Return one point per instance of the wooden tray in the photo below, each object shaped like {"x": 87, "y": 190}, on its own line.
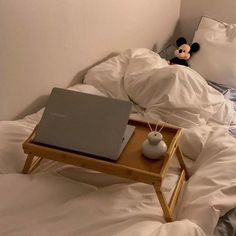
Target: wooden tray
{"x": 130, "y": 161}
{"x": 131, "y": 164}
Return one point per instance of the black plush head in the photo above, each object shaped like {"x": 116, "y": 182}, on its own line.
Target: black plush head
{"x": 184, "y": 51}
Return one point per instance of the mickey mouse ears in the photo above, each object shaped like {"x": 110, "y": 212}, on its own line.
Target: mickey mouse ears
{"x": 194, "y": 47}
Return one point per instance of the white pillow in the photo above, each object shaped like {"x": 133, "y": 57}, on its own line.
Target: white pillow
{"x": 216, "y": 59}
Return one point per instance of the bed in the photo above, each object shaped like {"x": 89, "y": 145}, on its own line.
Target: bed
{"x": 61, "y": 199}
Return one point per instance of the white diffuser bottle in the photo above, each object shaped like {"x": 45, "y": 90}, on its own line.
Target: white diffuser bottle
{"x": 154, "y": 147}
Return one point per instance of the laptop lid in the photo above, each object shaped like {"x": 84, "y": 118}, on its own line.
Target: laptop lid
{"x": 85, "y": 123}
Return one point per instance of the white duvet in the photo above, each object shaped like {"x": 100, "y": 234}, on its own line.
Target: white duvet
{"x": 63, "y": 200}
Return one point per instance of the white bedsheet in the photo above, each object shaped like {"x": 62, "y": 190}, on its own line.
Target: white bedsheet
{"x": 63, "y": 200}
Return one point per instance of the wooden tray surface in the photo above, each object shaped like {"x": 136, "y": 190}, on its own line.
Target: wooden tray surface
{"x": 131, "y": 157}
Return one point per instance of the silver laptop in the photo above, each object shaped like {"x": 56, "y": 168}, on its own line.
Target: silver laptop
{"x": 85, "y": 123}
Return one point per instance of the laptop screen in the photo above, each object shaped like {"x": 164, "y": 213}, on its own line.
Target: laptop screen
{"x": 84, "y": 123}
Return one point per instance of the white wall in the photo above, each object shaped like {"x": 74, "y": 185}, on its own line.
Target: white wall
{"x": 46, "y": 43}
{"x": 192, "y": 10}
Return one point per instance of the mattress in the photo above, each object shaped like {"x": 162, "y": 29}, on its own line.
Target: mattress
{"x": 65, "y": 200}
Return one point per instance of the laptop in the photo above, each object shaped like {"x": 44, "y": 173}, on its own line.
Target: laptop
{"x": 85, "y": 123}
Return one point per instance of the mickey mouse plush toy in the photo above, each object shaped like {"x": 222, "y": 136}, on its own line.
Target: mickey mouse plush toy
{"x": 184, "y": 52}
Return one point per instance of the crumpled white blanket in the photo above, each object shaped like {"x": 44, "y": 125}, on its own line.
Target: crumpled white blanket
{"x": 65, "y": 200}
{"x": 181, "y": 96}
{"x": 175, "y": 92}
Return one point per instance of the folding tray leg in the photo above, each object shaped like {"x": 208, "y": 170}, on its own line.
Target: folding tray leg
{"x": 164, "y": 205}
{"x": 181, "y": 162}
{"x": 31, "y": 164}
